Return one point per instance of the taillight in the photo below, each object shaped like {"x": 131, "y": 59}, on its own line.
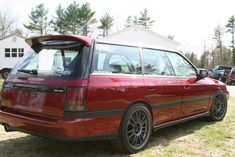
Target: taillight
{"x": 1, "y": 90}
{"x": 75, "y": 99}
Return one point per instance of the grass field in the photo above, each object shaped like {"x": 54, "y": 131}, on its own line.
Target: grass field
{"x": 195, "y": 138}
{"x": 1, "y": 81}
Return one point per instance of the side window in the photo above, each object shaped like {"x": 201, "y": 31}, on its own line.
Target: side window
{"x": 157, "y": 63}
{"x": 181, "y": 66}
{"x": 120, "y": 65}
{"x": 117, "y": 59}
{"x": 101, "y": 58}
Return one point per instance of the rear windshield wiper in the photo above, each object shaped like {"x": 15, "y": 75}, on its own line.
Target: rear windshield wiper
{"x": 33, "y": 72}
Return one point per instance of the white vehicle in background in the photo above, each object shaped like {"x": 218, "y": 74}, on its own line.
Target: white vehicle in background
{"x": 12, "y": 48}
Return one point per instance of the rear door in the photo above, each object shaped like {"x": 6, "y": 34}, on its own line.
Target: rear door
{"x": 196, "y": 93}
{"x": 116, "y": 79}
{"x": 162, "y": 88}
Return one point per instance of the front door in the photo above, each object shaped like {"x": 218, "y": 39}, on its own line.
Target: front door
{"x": 195, "y": 94}
{"x": 162, "y": 86}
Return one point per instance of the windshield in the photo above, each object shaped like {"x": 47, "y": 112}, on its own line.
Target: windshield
{"x": 222, "y": 68}
{"x": 58, "y": 59}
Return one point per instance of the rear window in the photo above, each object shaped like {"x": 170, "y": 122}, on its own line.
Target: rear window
{"x": 51, "y": 58}
{"x": 117, "y": 59}
{"x": 224, "y": 68}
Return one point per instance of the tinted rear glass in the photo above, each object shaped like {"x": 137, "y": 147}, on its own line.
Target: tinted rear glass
{"x": 52, "y": 58}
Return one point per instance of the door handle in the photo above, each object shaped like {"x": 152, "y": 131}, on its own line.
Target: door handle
{"x": 186, "y": 87}
{"x": 151, "y": 88}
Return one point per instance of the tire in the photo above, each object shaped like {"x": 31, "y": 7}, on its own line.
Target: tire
{"x": 135, "y": 130}
{"x": 5, "y": 73}
{"x": 220, "y": 78}
{"x": 227, "y": 82}
{"x": 219, "y": 107}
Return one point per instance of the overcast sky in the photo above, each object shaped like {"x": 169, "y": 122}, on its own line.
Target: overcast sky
{"x": 192, "y": 22}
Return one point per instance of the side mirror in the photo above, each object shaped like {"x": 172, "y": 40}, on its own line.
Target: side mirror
{"x": 202, "y": 73}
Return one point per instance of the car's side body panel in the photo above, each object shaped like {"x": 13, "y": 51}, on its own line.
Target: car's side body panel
{"x": 110, "y": 92}
{"x": 165, "y": 96}
{"x": 195, "y": 98}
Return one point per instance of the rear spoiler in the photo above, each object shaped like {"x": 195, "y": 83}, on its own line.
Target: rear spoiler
{"x": 35, "y": 40}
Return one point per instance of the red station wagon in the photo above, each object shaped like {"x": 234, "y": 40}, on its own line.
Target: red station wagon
{"x": 75, "y": 88}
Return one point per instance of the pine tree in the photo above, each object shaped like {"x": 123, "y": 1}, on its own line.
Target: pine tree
{"x": 135, "y": 21}
{"x": 145, "y": 20}
{"x": 72, "y": 20}
{"x": 106, "y": 22}
{"x": 87, "y": 18}
{"x": 59, "y": 22}
{"x": 38, "y": 20}
{"x": 129, "y": 22}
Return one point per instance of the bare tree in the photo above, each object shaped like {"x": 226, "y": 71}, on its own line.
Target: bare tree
{"x": 218, "y": 34}
{"x": 231, "y": 29}
{"x": 6, "y": 23}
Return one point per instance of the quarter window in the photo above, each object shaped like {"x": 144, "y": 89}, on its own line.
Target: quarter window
{"x": 157, "y": 63}
{"x": 117, "y": 59}
{"x": 181, "y": 66}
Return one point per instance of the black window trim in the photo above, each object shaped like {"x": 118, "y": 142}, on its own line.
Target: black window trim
{"x": 92, "y": 72}
{"x": 170, "y": 61}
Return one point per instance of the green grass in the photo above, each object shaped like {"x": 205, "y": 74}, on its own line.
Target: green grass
{"x": 1, "y": 81}
{"x": 194, "y": 138}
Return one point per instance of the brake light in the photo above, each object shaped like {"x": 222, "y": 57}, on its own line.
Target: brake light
{"x": 75, "y": 99}
{"x": 1, "y": 90}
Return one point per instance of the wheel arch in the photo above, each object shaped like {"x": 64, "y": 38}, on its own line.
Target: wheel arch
{"x": 149, "y": 107}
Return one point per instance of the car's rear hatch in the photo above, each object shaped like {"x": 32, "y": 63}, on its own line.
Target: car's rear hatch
{"x": 44, "y": 89}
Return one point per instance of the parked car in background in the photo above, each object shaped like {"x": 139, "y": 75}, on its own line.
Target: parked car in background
{"x": 231, "y": 77}
{"x": 220, "y": 72}
{"x": 76, "y": 88}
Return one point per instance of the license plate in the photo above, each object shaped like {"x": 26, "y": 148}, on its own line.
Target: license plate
{"x": 31, "y": 100}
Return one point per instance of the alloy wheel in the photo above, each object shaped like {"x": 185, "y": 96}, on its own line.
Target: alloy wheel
{"x": 137, "y": 129}
{"x": 219, "y": 106}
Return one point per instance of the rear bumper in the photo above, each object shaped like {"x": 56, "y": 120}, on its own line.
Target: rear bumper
{"x": 76, "y": 129}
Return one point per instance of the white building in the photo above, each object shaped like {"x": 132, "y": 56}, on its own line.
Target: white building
{"x": 138, "y": 36}
{"x": 12, "y": 48}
